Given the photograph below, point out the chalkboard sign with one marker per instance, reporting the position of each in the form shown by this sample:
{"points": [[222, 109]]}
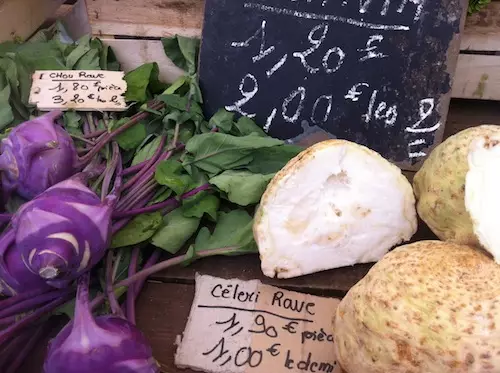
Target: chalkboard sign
{"points": [[377, 72]]}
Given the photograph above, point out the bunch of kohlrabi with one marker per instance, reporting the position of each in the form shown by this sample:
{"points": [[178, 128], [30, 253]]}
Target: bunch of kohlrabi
{"points": [[92, 200]]}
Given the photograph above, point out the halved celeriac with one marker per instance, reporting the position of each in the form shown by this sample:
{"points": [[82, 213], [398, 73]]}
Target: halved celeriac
{"points": [[482, 183], [335, 204]]}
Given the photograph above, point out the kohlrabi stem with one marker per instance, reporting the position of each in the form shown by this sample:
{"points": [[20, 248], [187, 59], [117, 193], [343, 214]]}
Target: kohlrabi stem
{"points": [[174, 201], [8, 320], [97, 133], [4, 218], [132, 199], [154, 257], [86, 125], [145, 273], [132, 169], [12, 348], [113, 302], [148, 164], [109, 136], [110, 170], [81, 138], [9, 332], [31, 303], [90, 120], [11, 301], [132, 269], [26, 349]]}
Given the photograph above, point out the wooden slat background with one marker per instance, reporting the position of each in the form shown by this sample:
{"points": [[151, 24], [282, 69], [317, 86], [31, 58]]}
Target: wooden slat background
{"points": [[20, 18]]}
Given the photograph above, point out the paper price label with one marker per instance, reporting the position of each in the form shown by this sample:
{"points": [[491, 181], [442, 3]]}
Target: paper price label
{"points": [[83, 90], [248, 327]]}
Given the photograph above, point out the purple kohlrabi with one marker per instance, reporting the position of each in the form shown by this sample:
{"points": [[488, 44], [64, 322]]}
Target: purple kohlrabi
{"points": [[36, 155], [105, 344], [15, 276], [64, 231]]}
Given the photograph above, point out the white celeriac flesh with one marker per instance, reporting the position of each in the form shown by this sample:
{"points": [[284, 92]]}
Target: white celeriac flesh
{"points": [[336, 204], [482, 186]]}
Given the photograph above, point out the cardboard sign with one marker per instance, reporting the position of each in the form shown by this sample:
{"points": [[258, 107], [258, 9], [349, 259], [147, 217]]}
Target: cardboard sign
{"points": [[376, 72], [245, 326], [83, 90]]}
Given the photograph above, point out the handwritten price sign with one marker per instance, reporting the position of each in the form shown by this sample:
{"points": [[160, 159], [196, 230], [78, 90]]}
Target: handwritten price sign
{"points": [[83, 90], [376, 72], [246, 326]]}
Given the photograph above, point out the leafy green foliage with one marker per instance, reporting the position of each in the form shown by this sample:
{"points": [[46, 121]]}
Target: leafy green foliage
{"points": [[143, 83], [171, 174], [233, 231], [139, 229], [215, 152], [476, 5], [242, 187], [175, 231]]}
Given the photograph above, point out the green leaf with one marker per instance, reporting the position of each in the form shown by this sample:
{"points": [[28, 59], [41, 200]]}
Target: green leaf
{"points": [[194, 90], [139, 229], [216, 152], [147, 151], [233, 229], [183, 51], [132, 137], [271, 160], [178, 116], [89, 61], [175, 231], [82, 48], [170, 173], [246, 126], [6, 114], [201, 204], [143, 82], [242, 187], [222, 119], [176, 85], [71, 119], [161, 195], [181, 103]]}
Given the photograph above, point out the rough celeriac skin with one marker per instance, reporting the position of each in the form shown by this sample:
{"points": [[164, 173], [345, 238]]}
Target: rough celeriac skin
{"points": [[427, 307], [439, 187], [482, 186], [336, 204]]}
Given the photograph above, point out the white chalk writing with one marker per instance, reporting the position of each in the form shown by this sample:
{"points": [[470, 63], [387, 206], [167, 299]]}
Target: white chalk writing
{"points": [[370, 49], [325, 17], [299, 91], [263, 51], [329, 100], [277, 66], [247, 96]]}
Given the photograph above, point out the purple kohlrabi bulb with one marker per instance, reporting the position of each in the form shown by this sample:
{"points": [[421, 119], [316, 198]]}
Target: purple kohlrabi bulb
{"points": [[64, 231], [105, 344], [15, 276], [36, 155]]}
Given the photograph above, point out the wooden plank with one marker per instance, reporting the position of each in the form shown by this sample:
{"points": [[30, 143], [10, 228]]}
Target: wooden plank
{"points": [[21, 18], [482, 29], [146, 17], [477, 77], [167, 17]]}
